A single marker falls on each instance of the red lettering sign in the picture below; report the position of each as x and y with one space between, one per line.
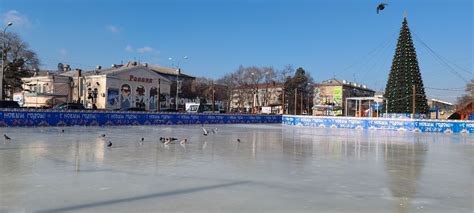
140 79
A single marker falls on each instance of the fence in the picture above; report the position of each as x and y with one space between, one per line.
381 123
32 118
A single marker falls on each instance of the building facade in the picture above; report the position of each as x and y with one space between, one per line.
119 87
45 89
252 98
330 97
129 86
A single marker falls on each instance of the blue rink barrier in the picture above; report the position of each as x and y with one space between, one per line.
381 123
31 118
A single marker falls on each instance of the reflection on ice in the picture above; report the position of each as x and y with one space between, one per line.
273 168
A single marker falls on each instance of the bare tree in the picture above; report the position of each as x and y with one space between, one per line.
283 74
21 61
469 96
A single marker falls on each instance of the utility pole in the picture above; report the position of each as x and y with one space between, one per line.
4 58
79 75
296 100
301 105
413 99
213 99
178 71
309 106
283 102
158 109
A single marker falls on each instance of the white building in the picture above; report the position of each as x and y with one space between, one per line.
119 87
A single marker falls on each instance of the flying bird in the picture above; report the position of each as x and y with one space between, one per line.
204 131
381 7
184 141
109 144
6 137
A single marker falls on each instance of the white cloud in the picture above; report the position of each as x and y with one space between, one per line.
18 19
63 51
112 28
145 49
129 48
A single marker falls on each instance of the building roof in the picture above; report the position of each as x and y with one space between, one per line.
440 101
168 71
337 82
262 85
112 70
131 65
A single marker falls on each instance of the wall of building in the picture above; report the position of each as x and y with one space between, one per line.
134 88
335 96
46 91
246 99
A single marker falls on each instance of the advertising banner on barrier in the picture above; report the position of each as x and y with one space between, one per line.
97 118
381 123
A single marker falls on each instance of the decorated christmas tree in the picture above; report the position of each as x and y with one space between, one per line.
404 74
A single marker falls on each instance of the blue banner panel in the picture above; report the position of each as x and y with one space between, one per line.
381 123
34 118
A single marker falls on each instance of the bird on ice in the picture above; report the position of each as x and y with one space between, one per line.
142 139
109 144
6 137
103 135
183 141
238 140
204 131
381 7
168 141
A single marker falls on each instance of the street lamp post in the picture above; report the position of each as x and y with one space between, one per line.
178 72
255 95
4 58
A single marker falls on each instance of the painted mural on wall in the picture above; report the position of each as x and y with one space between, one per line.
140 98
125 97
112 97
153 100
338 99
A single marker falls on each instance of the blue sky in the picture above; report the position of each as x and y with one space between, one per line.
342 38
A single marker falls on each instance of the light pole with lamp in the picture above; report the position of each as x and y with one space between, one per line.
255 98
178 72
4 58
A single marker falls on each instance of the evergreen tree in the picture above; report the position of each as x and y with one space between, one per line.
302 82
405 73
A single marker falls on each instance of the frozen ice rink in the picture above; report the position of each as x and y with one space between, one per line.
273 169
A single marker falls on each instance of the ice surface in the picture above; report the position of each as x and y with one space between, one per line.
273 169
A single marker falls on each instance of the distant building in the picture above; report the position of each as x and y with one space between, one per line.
45 89
118 87
465 112
251 98
131 85
330 97
440 109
